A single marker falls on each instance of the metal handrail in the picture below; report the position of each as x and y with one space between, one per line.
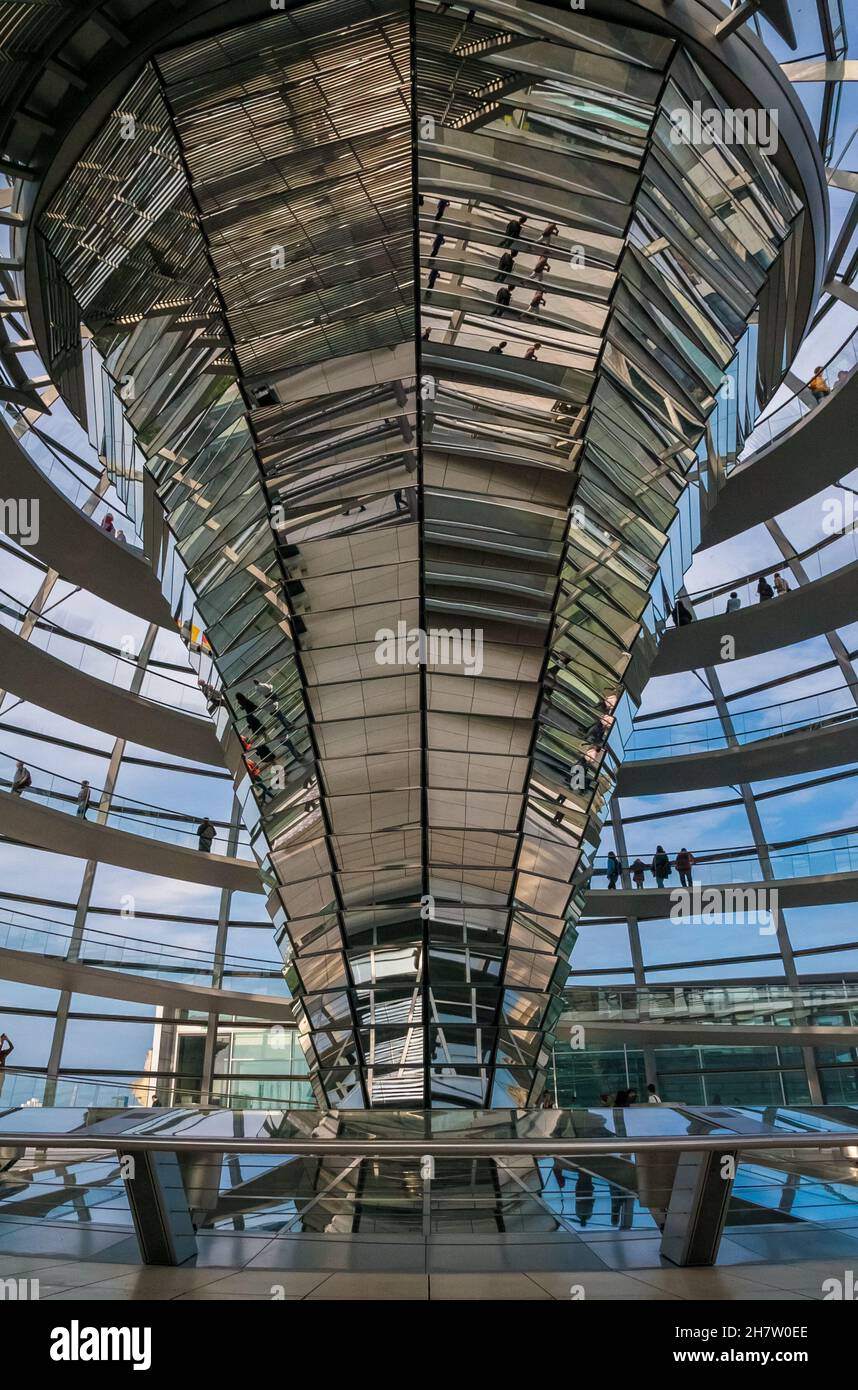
436 1148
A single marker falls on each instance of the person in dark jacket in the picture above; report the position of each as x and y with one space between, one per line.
22 779
513 230
660 866
613 870
502 298
638 872
764 589
83 799
206 833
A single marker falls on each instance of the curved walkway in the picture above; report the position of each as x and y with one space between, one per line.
818 450
806 751
808 611
29 823
32 674
813 891
25 968
75 546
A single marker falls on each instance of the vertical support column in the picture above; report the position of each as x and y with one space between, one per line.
633 925
210 1049
768 873
85 895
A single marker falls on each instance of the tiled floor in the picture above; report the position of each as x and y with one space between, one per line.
84 1281
777 1262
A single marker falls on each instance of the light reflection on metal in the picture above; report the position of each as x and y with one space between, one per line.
496 436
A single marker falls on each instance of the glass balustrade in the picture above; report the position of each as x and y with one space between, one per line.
21 931
742 865
708 735
60 473
157 822
767 430
818 562
834 1003
36 1091
74 650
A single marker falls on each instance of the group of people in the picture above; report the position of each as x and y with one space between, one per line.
661 867
818 384
22 779
108 526
682 613
513 233
529 356
629 1096
265 704
778 586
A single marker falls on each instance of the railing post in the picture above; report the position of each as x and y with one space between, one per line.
159 1206
698 1206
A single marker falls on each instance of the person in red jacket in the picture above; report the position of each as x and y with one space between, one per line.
682 863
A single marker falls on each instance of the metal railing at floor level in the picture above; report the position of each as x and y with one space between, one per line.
685 1163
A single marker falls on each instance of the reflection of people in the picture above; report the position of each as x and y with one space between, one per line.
622 1208
585 1197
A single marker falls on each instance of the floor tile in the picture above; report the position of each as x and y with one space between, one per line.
72 1273
258 1283
706 1285
488 1287
595 1284
806 1277
379 1287
209 1296
158 1283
